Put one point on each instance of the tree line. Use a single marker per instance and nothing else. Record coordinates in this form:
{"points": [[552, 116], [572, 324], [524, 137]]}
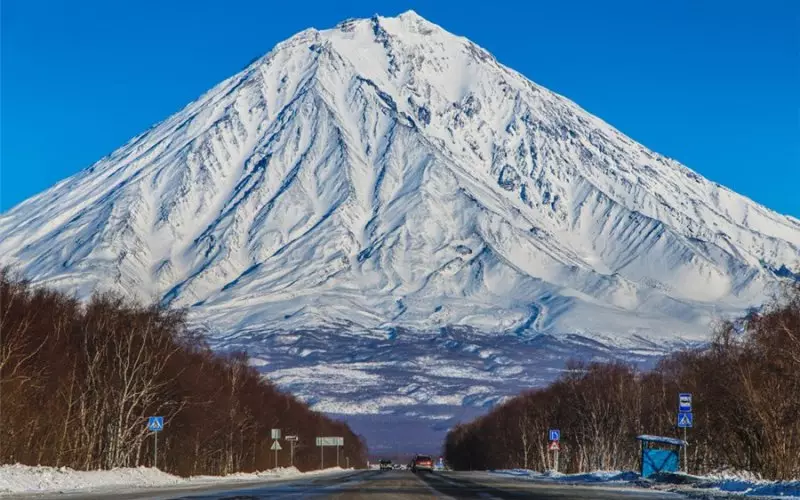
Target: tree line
{"points": [[746, 402], [78, 381]]}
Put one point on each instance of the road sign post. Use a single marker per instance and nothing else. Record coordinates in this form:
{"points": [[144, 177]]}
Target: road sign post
{"points": [[685, 421], [155, 425], [322, 442], [276, 446], [292, 440], [555, 447]]}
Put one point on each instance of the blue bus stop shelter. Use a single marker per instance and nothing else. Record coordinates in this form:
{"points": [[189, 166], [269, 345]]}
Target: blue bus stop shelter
{"points": [[660, 454]]}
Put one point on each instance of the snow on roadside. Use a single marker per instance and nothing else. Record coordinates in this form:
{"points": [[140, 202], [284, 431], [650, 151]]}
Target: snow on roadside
{"points": [[19, 478], [725, 484]]}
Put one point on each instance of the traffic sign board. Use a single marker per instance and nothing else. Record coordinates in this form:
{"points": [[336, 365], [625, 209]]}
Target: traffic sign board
{"points": [[291, 438], [554, 446], [276, 433], [685, 419], [155, 424], [330, 441], [685, 402], [276, 446], [555, 435]]}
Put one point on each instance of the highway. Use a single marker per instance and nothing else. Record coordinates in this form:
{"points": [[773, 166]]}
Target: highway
{"points": [[369, 484]]}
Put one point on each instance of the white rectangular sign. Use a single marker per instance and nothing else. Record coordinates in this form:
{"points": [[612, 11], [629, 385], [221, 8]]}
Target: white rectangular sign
{"points": [[276, 433], [330, 441]]}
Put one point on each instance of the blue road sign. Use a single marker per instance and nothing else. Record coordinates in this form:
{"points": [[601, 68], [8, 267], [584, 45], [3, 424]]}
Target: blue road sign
{"points": [[685, 419], [685, 402], [155, 424], [555, 435]]}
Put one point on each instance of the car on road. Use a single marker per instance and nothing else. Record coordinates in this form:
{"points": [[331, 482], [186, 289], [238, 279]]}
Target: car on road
{"points": [[385, 464], [422, 462]]}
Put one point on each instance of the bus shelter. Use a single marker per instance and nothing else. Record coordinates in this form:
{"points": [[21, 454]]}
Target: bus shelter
{"points": [[660, 454]]}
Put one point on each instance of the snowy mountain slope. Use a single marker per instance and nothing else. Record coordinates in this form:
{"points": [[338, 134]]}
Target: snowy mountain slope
{"points": [[386, 173]]}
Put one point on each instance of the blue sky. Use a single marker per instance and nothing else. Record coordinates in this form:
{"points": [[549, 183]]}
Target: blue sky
{"points": [[711, 84]]}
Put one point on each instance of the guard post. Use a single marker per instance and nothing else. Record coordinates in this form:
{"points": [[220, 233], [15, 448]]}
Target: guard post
{"points": [[660, 454]]}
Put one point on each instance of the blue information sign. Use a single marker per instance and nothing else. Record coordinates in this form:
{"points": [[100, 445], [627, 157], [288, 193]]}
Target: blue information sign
{"points": [[555, 435], [155, 424], [685, 402], [685, 419]]}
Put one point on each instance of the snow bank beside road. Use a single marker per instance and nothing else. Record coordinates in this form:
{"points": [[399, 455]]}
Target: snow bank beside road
{"points": [[742, 484], [27, 479]]}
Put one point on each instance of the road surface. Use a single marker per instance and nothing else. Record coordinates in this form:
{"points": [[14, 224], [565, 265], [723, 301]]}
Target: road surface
{"points": [[370, 484]]}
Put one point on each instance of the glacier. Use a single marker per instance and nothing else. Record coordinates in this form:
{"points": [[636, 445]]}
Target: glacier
{"points": [[393, 223]]}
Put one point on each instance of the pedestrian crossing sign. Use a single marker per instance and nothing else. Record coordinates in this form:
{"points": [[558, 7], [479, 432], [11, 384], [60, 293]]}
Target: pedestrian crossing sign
{"points": [[155, 424]]}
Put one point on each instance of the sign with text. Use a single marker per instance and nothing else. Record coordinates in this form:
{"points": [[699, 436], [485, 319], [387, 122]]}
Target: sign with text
{"points": [[685, 402], [330, 441]]}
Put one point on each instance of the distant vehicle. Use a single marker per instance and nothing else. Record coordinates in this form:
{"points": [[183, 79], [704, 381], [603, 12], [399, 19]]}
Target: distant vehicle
{"points": [[422, 462], [386, 464]]}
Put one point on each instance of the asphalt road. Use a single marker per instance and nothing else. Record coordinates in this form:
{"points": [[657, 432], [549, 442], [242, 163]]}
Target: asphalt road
{"points": [[401, 485]]}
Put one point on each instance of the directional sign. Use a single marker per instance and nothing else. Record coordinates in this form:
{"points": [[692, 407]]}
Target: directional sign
{"points": [[276, 433], [330, 441], [685, 419], [555, 435], [685, 402], [554, 446], [155, 424], [276, 446], [291, 438]]}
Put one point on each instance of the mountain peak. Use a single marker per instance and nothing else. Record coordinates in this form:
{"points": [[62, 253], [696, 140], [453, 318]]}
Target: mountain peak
{"points": [[387, 174]]}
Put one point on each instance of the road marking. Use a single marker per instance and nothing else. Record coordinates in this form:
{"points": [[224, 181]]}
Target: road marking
{"points": [[433, 490], [483, 494]]}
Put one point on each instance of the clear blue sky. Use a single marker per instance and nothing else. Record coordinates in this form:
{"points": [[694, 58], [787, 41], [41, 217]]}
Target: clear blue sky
{"points": [[714, 84]]}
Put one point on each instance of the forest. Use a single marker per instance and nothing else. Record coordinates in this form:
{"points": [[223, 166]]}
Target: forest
{"points": [[746, 402], [79, 381]]}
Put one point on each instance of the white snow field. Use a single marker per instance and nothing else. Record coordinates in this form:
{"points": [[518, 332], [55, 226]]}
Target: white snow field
{"points": [[29, 479], [724, 484], [394, 223]]}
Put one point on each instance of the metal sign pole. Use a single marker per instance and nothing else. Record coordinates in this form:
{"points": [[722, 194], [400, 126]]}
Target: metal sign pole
{"points": [[337, 455], [276, 458], [155, 452], [685, 453], [291, 453], [321, 457], [556, 459]]}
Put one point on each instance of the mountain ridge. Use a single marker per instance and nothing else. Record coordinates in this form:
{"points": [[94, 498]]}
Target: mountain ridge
{"points": [[385, 173]]}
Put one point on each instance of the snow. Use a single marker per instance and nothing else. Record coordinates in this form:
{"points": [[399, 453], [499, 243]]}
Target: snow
{"points": [[730, 483], [365, 190], [19, 478]]}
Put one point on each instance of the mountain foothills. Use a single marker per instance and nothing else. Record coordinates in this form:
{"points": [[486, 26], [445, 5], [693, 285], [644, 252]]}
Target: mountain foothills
{"points": [[386, 173]]}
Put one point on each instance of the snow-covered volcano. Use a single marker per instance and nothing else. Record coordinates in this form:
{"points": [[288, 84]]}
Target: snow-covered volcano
{"points": [[386, 172], [386, 175]]}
